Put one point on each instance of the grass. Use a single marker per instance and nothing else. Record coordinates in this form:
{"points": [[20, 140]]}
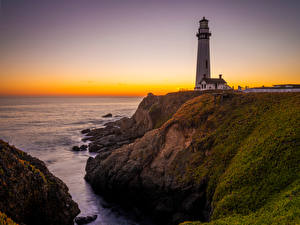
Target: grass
{"points": [[247, 147], [283, 208], [4, 220], [33, 169]]}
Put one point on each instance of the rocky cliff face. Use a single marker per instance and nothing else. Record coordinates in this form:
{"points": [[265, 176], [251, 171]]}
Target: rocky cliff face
{"points": [[220, 154], [152, 112], [29, 193]]}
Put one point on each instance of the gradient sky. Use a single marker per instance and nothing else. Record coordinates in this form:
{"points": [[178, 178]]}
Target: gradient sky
{"points": [[132, 47]]}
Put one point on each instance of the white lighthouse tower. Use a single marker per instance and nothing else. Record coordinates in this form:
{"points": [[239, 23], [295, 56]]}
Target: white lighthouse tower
{"points": [[203, 56]]}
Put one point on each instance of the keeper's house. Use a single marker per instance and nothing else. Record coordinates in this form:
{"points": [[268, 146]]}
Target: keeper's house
{"points": [[212, 84]]}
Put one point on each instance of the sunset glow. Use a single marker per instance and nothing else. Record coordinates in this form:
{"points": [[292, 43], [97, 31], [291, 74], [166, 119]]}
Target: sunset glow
{"points": [[130, 48]]}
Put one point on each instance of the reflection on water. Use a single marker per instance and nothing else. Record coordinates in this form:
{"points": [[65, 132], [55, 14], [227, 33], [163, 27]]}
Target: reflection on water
{"points": [[47, 128]]}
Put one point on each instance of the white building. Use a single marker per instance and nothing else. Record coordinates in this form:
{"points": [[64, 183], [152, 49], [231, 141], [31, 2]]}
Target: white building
{"points": [[276, 88], [212, 84]]}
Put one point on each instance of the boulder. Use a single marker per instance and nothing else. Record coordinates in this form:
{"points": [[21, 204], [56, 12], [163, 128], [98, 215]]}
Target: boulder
{"points": [[107, 115], [85, 219], [75, 149], [83, 147]]}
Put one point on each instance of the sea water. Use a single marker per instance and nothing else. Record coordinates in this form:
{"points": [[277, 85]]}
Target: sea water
{"points": [[47, 128]]}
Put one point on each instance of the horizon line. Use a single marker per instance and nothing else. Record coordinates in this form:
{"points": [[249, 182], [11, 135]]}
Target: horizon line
{"points": [[71, 96]]}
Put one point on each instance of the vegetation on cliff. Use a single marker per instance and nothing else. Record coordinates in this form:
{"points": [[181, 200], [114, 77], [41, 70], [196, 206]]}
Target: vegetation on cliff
{"points": [[4, 220], [229, 158], [29, 193], [282, 208], [248, 149]]}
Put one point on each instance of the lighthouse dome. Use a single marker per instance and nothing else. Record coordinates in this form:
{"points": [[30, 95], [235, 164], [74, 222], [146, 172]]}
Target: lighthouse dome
{"points": [[203, 23]]}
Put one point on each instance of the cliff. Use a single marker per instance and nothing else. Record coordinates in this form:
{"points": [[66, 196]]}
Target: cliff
{"points": [[227, 158], [152, 112], [29, 193]]}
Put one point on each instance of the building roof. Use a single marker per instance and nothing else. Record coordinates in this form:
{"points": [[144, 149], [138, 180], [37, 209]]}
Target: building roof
{"points": [[213, 80]]}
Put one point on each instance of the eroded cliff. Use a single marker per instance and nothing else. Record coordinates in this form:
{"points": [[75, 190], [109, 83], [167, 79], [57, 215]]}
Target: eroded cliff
{"points": [[152, 112]]}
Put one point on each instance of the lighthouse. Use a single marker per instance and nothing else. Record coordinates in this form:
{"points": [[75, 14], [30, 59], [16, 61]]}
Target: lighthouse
{"points": [[203, 56]]}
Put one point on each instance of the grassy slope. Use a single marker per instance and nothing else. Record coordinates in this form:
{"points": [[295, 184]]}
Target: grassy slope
{"points": [[282, 208], [248, 148]]}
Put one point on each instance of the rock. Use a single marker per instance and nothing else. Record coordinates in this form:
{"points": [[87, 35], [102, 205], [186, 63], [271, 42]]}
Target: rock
{"points": [[123, 142], [107, 115], [93, 147], [85, 219], [83, 147], [85, 131], [142, 172], [29, 193], [102, 149], [75, 148]]}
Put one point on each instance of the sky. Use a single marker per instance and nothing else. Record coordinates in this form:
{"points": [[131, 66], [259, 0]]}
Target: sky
{"points": [[132, 47]]}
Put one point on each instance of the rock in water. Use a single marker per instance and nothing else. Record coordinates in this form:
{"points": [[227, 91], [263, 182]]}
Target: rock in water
{"points": [[29, 193], [75, 148], [83, 147], [107, 115], [85, 219]]}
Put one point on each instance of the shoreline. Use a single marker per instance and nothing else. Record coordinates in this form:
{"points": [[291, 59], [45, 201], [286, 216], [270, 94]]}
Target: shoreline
{"points": [[156, 166]]}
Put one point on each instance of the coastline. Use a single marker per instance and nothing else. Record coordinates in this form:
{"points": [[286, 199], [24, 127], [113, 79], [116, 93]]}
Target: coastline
{"points": [[48, 128], [160, 168], [186, 154]]}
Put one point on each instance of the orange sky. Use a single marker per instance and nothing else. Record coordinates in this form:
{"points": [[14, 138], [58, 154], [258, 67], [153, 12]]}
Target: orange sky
{"points": [[107, 48]]}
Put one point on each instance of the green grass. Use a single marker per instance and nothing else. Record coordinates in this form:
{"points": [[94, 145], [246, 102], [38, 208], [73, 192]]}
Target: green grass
{"points": [[283, 208], [247, 146]]}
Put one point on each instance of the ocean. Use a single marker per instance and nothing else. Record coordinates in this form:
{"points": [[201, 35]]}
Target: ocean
{"points": [[48, 128]]}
